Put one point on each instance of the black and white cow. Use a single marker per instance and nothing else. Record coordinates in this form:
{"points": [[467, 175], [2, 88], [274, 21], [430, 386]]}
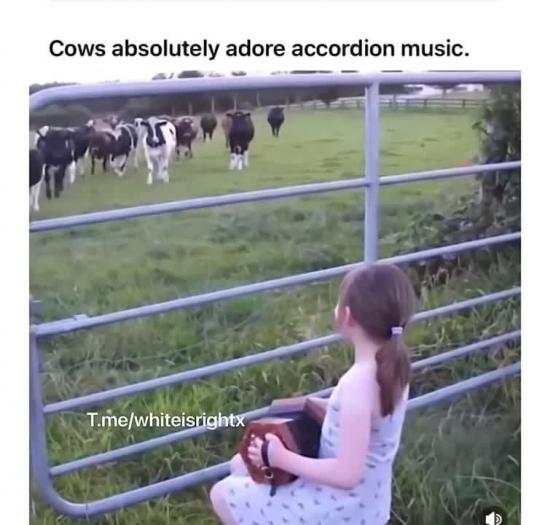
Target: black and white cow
{"points": [[209, 123], [186, 133], [81, 137], [241, 134], [114, 146], [276, 118], [159, 142], [123, 143], [36, 176], [57, 148]]}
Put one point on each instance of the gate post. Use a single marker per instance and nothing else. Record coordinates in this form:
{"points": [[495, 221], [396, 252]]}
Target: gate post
{"points": [[372, 166], [38, 444]]}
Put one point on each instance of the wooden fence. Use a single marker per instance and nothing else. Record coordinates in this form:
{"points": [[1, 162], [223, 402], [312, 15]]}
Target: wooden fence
{"points": [[394, 103]]}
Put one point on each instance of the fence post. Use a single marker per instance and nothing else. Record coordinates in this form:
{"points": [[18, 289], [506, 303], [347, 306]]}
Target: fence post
{"points": [[372, 166]]}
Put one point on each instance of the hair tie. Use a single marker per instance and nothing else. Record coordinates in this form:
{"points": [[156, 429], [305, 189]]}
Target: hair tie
{"points": [[397, 330]]}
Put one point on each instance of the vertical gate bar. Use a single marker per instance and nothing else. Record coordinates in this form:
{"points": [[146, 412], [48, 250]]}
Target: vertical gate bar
{"points": [[38, 445], [372, 166]]}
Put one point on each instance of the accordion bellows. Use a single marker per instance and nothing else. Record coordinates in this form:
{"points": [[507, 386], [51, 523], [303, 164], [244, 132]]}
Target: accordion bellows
{"points": [[298, 424]]}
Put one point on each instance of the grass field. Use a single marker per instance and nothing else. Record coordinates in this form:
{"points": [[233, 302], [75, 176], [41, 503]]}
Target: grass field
{"points": [[454, 459]]}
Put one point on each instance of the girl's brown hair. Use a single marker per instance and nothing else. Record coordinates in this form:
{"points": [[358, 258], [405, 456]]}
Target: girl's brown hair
{"points": [[381, 297]]}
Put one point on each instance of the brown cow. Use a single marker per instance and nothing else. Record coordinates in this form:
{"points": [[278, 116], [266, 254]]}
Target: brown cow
{"points": [[100, 146]]}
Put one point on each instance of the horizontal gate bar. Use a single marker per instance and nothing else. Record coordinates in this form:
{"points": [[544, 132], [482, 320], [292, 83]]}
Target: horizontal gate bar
{"points": [[64, 326], [199, 203], [72, 93], [436, 396], [463, 351], [210, 474], [449, 172], [182, 435], [98, 398]]}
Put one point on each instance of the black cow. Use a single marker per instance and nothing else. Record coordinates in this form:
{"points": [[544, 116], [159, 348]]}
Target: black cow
{"points": [[275, 119], [57, 148], [209, 123], [186, 132], [36, 175], [241, 134]]}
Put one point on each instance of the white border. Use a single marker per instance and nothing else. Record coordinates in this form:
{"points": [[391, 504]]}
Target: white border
{"points": [[498, 34]]}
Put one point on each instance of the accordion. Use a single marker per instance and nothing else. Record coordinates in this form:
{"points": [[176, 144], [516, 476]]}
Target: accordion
{"points": [[298, 424]]}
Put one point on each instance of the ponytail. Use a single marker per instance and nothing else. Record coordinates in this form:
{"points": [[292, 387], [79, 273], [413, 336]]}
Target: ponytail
{"points": [[381, 300], [393, 372]]}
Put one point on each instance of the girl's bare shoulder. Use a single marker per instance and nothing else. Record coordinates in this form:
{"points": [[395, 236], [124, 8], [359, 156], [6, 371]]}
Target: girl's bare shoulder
{"points": [[361, 376]]}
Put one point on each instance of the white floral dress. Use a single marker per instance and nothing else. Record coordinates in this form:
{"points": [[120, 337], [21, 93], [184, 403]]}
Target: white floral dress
{"points": [[308, 503]]}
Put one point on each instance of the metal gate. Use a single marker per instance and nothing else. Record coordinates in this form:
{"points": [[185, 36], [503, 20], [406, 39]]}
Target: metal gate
{"points": [[370, 183]]}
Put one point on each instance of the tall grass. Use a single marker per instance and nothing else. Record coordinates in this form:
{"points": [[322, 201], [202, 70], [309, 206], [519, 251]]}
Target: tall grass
{"points": [[454, 458]]}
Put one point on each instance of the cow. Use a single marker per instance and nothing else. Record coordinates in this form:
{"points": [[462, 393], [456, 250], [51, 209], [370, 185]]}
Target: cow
{"points": [[159, 139], [100, 147], [36, 176], [186, 132], [276, 118], [226, 123], [241, 134], [114, 147], [123, 143], [81, 137], [57, 148], [209, 123]]}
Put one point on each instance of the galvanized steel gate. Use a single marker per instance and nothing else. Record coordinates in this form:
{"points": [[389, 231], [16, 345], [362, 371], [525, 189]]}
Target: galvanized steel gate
{"points": [[43, 473]]}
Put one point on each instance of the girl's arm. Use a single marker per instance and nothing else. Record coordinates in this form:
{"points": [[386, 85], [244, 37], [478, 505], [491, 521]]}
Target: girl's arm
{"points": [[357, 398]]}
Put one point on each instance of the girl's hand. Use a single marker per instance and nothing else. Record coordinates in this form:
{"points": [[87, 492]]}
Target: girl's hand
{"points": [[275, 450]]}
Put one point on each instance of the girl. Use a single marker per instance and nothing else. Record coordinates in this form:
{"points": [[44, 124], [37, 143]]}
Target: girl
{"points": [[350, 482]]}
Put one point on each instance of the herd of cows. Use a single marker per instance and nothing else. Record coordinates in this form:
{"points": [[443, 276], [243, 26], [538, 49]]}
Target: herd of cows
{"points": [[59, 152]]}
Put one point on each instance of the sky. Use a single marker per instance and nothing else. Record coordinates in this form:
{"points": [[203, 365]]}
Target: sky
{"points": [[137, 72]]}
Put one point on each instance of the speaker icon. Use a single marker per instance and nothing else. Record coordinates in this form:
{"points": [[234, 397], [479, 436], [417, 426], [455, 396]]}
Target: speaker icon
{"points": [[494, 517]]}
